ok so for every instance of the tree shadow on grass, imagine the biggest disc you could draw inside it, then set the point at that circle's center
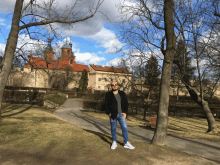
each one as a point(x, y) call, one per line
point(5, 106)
point(16, 107)
point(29, 158)
point(137, 118)
point(103, 137)
point(13, 107)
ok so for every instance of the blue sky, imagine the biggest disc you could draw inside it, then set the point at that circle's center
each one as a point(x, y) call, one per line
point(81, 45)
point(93, 40)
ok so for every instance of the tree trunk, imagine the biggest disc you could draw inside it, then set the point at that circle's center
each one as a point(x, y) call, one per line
point(162, 114)
point(10, 48)
point(148, 97)
point(178, 88)
point(204, 104)
point(210, 117)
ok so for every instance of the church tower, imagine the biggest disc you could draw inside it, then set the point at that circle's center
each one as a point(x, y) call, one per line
point(48, 52)
point(67, 53)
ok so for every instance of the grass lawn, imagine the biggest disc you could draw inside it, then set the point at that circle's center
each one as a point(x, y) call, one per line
point(31, 135)
point(193, 128)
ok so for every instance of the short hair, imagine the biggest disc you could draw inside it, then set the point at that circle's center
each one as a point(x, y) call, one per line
point(113, 81)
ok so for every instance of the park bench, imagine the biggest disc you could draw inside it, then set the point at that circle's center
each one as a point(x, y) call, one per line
point(152, 122)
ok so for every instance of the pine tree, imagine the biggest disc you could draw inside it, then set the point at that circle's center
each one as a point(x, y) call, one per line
point(83, 82)
point(152, 72)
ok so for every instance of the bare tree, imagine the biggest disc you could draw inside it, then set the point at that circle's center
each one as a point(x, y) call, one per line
point(194, 25)
point(35, 14)
point(147, 25)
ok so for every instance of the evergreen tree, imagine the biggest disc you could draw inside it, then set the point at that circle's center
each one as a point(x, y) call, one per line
point(182, 59)
point(152, 72)
point(83, 82)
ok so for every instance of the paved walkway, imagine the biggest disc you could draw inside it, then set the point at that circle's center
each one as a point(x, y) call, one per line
point(71, 111)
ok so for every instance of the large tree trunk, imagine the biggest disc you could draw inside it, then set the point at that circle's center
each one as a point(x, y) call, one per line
point(162, 115)
point(10, 48)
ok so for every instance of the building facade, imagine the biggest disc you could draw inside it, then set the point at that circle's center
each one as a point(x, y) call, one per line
point(48, 73)
point(100, 77)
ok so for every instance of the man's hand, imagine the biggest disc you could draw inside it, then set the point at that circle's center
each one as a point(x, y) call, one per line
point(124, 115)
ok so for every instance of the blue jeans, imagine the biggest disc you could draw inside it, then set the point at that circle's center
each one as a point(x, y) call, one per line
point(123, 125)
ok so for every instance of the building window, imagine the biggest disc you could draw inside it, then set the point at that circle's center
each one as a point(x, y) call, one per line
point(68, 52)
point(99, 79)
point(105, 79)
point(99, 87)
point(123, 81)
point(71, 61)
point(62, 52)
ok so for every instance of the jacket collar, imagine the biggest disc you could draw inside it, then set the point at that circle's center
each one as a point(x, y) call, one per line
point(112, 94)
point(112, 91)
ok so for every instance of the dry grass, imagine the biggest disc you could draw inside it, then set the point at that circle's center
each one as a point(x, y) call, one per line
point(30, 135)
point(193, 128)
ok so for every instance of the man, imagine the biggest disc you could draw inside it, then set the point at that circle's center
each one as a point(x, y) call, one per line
point(116, 106)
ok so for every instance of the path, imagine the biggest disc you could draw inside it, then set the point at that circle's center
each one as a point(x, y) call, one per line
point(71, 111)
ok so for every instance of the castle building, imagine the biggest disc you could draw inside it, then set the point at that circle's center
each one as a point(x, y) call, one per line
point(47, 72)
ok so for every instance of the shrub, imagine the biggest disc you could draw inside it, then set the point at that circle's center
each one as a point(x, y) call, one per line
point(56, 98)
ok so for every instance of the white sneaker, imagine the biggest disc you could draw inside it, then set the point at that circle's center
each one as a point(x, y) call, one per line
point(114, 145)
point(128, 145)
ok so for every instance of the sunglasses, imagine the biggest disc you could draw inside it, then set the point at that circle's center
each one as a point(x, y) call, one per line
point(115, 85)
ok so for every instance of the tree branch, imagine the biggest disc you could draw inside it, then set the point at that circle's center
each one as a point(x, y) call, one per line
point(45, 22)
point(30, 2)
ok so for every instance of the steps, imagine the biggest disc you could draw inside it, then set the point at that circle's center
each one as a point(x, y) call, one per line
point(50, 104)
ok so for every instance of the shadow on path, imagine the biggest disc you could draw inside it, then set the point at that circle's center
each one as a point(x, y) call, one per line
point(100, 124)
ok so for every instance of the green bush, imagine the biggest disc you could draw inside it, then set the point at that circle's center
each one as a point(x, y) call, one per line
point(56, 98)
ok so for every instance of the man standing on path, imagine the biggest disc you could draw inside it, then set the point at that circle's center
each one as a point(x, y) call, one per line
point(116, 106)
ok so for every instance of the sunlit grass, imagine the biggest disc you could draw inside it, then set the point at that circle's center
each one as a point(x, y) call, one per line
point(31, 130)
point(194, 128)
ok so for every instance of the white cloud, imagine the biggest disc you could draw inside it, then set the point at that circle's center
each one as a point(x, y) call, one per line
point(88, 58)
point(2, 49)
point(2, 22)
point(30, 46)
point(114, 62)
point(202, 63)
point(7, 6)
point(107, 39)
point(135, 59)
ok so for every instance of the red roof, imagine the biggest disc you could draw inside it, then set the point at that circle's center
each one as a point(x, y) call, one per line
point(62, 63)
point(110, 69)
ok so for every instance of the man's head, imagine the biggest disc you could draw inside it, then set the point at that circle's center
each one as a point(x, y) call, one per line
point(114, 86)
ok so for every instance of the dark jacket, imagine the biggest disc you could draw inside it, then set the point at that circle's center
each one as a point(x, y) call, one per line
point(111, 105)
